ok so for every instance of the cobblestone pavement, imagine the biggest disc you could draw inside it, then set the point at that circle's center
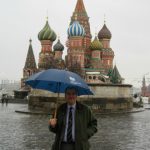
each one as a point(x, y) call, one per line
point(30, 132)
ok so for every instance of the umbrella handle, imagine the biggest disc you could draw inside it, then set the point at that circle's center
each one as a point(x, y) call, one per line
point(55, 113)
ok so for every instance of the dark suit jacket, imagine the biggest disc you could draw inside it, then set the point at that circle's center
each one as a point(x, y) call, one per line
point(85, 126)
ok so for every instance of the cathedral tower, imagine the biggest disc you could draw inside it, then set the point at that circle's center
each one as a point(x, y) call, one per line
point(144, 87)
point(107, 54)
point(30, 65)
point(80, 15)
point(58, 50)
point(46, 36)
point(96, 47)
point(76, 50)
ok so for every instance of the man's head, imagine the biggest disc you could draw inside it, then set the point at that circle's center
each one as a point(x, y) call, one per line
point(71, 95)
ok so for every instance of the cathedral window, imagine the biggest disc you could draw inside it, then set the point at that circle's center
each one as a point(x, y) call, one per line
point(94, 77)
point(90, 77)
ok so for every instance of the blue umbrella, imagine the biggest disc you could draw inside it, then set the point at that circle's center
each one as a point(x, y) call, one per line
point(57, 81)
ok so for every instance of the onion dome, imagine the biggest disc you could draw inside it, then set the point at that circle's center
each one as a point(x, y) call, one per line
point(104, 33)
point(47, 33)
point(96, 44)
point(76, 29)
point(58, 46)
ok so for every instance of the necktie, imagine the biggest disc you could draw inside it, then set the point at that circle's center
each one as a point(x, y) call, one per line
point(69, 130)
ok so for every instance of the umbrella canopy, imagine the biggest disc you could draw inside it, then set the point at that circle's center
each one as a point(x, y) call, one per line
point(57, 81)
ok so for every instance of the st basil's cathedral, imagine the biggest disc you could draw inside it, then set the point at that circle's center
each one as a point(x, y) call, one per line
point(91, 58)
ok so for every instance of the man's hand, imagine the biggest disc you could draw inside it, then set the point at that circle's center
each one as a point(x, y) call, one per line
point(53, 122)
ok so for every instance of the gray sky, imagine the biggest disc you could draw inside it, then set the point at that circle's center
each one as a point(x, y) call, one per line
point(128, 21)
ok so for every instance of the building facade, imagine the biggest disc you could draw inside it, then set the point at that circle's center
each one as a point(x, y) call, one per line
point(91, 58)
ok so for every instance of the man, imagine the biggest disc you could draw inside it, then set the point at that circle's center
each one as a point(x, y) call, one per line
point(74, 124)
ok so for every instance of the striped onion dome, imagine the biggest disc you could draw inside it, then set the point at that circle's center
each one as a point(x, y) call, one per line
point(47, 33)
point(104, 33)
point(58, 46)
point(96, 44)
point(76, 29)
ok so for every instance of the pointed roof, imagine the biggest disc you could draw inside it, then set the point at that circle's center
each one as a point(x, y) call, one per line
point(80, 14)
point(30, 59)
point(144, 82)
point(80, 8)
point(115, 76)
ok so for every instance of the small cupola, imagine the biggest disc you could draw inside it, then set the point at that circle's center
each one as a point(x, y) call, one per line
point(96, 44)
point(104, 33)
point(58, 46)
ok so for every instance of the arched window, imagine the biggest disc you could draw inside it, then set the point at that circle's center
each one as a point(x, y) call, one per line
point(94, 77)
point(90, 77)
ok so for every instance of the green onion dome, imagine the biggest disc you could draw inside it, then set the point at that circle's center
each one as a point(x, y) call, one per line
point(47, 33)
point(58, 46)
point(96, 44)
point(104, 33)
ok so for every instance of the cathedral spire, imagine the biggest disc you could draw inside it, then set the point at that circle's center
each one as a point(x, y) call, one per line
point(80, 8)
point(30, 59)
point(144, 82)
point(79, 15)
point(30, 66)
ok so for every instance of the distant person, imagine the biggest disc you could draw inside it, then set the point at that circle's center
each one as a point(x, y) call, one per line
point(2, 99)
point(6, 100)
point(74, 124)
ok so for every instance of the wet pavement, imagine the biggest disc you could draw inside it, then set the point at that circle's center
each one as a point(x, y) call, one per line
point(116, 132)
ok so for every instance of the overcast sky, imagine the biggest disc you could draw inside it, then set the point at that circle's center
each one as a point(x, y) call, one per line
point(128, 21)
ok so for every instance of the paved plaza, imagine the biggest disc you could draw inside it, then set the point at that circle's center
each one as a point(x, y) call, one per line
point(30, 132)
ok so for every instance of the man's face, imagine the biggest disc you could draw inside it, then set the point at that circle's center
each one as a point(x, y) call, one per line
point(71, 96)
